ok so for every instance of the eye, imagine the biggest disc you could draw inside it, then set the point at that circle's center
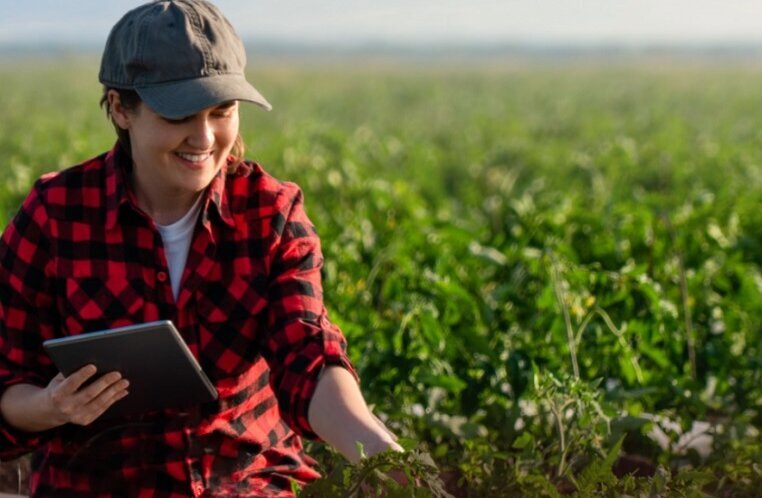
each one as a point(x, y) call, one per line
point(226, 110)
point(178, 121)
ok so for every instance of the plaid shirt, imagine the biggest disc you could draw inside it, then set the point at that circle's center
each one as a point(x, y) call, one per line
point(81, 256)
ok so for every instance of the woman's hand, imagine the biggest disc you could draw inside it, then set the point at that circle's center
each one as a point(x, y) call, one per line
point(64, 400)
point(70, 402)
point(339, 416)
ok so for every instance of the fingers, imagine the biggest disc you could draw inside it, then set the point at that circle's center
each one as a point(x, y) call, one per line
point(73, 403)
point(394, 446)
point(100, 401)
point(71, 384)
point(383, 426)
point(100, 386)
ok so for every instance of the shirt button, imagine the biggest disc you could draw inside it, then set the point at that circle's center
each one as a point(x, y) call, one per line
point(161, 276)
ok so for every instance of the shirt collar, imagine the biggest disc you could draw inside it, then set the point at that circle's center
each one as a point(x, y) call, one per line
point(119, 193)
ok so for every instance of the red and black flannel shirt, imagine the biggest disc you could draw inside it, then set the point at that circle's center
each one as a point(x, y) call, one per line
point(80, 256)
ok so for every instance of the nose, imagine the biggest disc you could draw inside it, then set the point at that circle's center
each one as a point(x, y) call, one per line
point(201, 134)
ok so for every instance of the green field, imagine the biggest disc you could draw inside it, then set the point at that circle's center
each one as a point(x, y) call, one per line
point(538, 266)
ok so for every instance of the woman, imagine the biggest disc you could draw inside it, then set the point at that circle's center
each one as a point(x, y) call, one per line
point(173, 224)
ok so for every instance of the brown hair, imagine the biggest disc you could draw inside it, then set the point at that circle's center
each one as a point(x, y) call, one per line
point(131, 102)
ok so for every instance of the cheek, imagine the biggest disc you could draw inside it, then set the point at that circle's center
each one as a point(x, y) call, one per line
point(229, 132)
point(227, 136)
point(158, 141)
point(142, 137)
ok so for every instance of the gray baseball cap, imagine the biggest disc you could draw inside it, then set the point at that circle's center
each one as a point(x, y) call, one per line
point(180, 56)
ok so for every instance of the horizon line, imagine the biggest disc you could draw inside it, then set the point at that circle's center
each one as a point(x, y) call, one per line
point(256, 45)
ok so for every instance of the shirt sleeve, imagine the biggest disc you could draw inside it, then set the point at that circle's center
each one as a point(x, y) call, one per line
point(27, 312)
point(301, 341)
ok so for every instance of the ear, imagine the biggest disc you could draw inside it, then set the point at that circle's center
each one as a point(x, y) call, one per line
point(119, 113)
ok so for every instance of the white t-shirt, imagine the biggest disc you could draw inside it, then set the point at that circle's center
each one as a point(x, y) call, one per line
point(177, 239)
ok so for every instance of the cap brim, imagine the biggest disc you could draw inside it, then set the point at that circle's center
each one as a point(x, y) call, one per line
point(184, 98)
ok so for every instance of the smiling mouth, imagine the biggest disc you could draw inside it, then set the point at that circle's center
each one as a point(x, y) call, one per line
point(194, 158)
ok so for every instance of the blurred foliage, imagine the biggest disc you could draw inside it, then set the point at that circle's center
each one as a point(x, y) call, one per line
point(531, 263)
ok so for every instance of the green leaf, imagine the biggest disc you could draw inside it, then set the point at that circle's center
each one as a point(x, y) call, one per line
point(295, 488)
point(451, 383)
point(656, 355)
point(539, 485)
point(599, 471)
point(524, 440)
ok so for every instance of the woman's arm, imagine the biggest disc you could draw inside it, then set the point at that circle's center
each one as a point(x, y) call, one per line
point(339, 415)
point(34, 409)
point(310, 372)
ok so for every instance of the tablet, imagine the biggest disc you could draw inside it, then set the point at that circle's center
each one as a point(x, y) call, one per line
point(161, 369)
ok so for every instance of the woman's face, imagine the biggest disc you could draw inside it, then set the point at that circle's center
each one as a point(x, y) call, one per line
point(179, 158)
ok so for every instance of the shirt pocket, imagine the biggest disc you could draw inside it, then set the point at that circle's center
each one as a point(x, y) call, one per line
point(231, 315)
point(93, 303)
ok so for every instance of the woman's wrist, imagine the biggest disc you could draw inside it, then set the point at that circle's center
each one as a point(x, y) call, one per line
point(26, 408)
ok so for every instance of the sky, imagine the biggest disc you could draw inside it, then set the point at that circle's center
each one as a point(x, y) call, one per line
point(623, 22)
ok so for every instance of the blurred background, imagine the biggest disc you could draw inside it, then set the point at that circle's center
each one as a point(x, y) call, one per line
point(509, 26)
point(542, 220)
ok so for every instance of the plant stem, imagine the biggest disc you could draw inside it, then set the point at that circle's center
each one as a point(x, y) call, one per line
point(562, 436)
point(567, 320)
point(690, 338)
point(689, 334)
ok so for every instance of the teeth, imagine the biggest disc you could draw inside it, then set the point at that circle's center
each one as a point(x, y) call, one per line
point(194, 158)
